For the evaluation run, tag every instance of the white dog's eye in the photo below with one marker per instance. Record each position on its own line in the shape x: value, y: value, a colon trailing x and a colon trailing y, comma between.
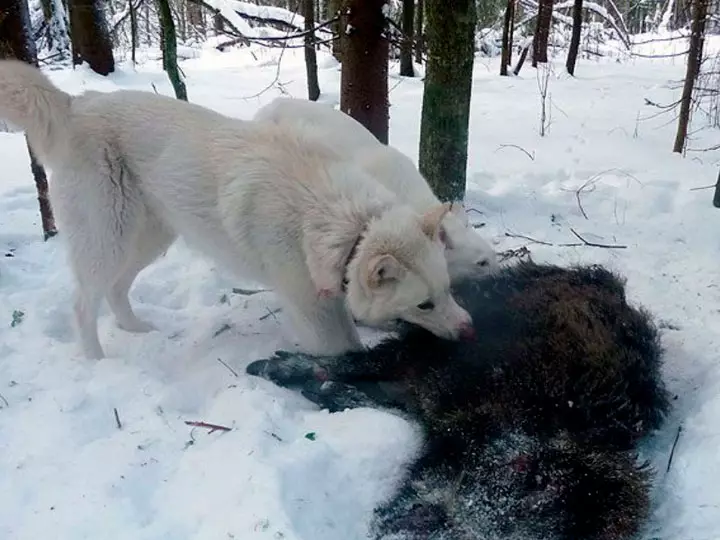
x: 483, y: 263
x: 427, y: 305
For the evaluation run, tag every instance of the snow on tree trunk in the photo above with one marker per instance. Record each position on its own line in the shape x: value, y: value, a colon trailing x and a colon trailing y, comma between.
x: 542, y: 32
x: 507, y: 37
x: 16, y: 42
x: 170, y: 49
x: 56, y: 33
x: 90, y: 39
x: 133, y: 30
x: 450, y: 34
x: 575, y: 39
x: 697, y: 40
x: 364, y: 78
x: 406, y: 48
x: 310, y: 56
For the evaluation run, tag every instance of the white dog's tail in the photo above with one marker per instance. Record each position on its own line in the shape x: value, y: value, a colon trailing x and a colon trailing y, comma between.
x: 29, y: 101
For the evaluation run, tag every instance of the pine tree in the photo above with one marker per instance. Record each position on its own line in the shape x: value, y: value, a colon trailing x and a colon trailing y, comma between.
x: 90, y: 39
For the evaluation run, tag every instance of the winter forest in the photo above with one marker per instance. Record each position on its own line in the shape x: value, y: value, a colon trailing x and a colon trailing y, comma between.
x: 580, y: 140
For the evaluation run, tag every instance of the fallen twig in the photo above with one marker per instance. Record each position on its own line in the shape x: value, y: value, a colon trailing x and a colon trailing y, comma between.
x: 231, y: 370
x: 117, y: 418
x: 224, y: 328
x: 672, y: 450
x: 271, y: 313
x: 528, y: 154
x: 5, y: 401
x: 247, y: 292
x: 212, y: 427
x: 595, y: 244
x: 702, y: 187
x: 533, y: 240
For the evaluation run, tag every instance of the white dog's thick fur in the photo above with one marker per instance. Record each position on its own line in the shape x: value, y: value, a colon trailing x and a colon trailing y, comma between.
x: 132, y: 170
x: 467, y: 253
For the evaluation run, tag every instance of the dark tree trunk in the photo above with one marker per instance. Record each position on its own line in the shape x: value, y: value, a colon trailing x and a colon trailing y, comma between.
x: 542, y: 32
x: 419, y: 24
x: 170, y: 49
x: 450, y: 33
x: 406, y: 49
x: 697, y: 41
x: 310, y: 55
x: 133, y: 30
x: 57, y: 24
x: 16, y: 42
x: 364, y: 79
x: 521, y: 60
x: 575, y: 40
x: 334, y: 9
x: 716, y: 196
x: 507, y: 37
x: 90, y: 39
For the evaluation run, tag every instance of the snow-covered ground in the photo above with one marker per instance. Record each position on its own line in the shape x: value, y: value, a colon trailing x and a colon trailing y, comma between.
x: 287, y: 471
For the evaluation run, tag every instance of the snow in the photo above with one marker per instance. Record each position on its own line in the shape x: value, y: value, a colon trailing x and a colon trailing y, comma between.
x: 68, y: 471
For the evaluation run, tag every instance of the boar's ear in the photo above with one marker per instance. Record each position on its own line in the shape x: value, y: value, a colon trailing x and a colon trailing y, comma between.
x: 430, y: 221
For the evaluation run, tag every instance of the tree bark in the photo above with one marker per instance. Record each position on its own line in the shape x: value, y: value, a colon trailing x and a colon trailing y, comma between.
x: 716, y: 196
x: 406, y: 49
x: 310, y: 55
x: 697, y: 41
x: 419, y: 25
x: 575, y: 39
x: 335, y: 9
x: 16, y: 42
x: 542, y: 32
x: 450, y: 34
x: 88, y: 33
x: 56, y: 23
x: 133, y: 30
x: 170, y: 49
x: 364, y: 78
x: 507, y: 37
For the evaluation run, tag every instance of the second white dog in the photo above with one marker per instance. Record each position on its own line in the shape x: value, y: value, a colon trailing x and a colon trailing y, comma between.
x: 467, y: 253
x: 132, y: 170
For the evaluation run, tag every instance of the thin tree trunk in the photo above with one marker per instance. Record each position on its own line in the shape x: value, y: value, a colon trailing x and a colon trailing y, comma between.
x: 310, y: 54
x: 697, y: 40
x: 16, y: 42
x: 450, y: 33
x: 419, y: 24
x: 507, y: 37
x: 575, y: 40
x: 364, y: 79
x: 90, y: 39
x: 133, y: 30
x: 542, y: 32
x: 521, y: 60
x: 716, y: 196
x: 406, y: 49
x: 170, y: 49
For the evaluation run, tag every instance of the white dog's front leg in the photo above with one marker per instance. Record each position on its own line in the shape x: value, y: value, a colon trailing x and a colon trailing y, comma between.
x: 325, y: 326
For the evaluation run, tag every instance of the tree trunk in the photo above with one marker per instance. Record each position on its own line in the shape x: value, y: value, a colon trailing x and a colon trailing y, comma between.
x: 542, y: 32
x: 406, y: 49
x: 88, y: 33
x: 521, y: 60
x: 16, y: 42
x: 697, y: 40
x: 419, y: 24
x: 716, y: 196
x: 575, y: 40
x: 507, y: 37
x: 133, y: 30
x: 334, y: 9
x: 450, y: 34
x: 310, y: 54
x: 170, y: 49
x: 58, y: 40
x: 364, y: 79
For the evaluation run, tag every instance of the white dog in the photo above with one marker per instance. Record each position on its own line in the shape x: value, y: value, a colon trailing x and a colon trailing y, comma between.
x: 467, y: 253
x: 132, y: 170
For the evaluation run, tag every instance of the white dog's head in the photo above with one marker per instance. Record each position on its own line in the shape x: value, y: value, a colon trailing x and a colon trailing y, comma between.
x: 400, y: 272
x: 468, y: 254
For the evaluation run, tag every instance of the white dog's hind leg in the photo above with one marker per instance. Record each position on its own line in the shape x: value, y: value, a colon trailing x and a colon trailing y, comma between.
x: 87, y: 304
x: 150, y: 241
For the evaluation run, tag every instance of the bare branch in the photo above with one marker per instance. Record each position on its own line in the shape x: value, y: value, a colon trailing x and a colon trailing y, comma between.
x: 595, y: 244
x: 212, y: 427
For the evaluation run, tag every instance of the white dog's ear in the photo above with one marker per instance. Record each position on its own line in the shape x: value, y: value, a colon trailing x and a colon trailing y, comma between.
x: 430, y: 221
x: 458, y: 210
x: 445, y: 239
x: 383, y: 269
x: 325, y: 257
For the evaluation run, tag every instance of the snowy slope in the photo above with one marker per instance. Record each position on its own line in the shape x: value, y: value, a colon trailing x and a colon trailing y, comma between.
x: 67, y: 471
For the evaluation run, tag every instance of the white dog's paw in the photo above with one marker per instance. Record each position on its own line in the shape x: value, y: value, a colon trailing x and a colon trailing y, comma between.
x: 136, y: 326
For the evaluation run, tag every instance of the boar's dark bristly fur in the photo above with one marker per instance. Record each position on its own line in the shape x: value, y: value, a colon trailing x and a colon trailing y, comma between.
x: 531, y: 430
